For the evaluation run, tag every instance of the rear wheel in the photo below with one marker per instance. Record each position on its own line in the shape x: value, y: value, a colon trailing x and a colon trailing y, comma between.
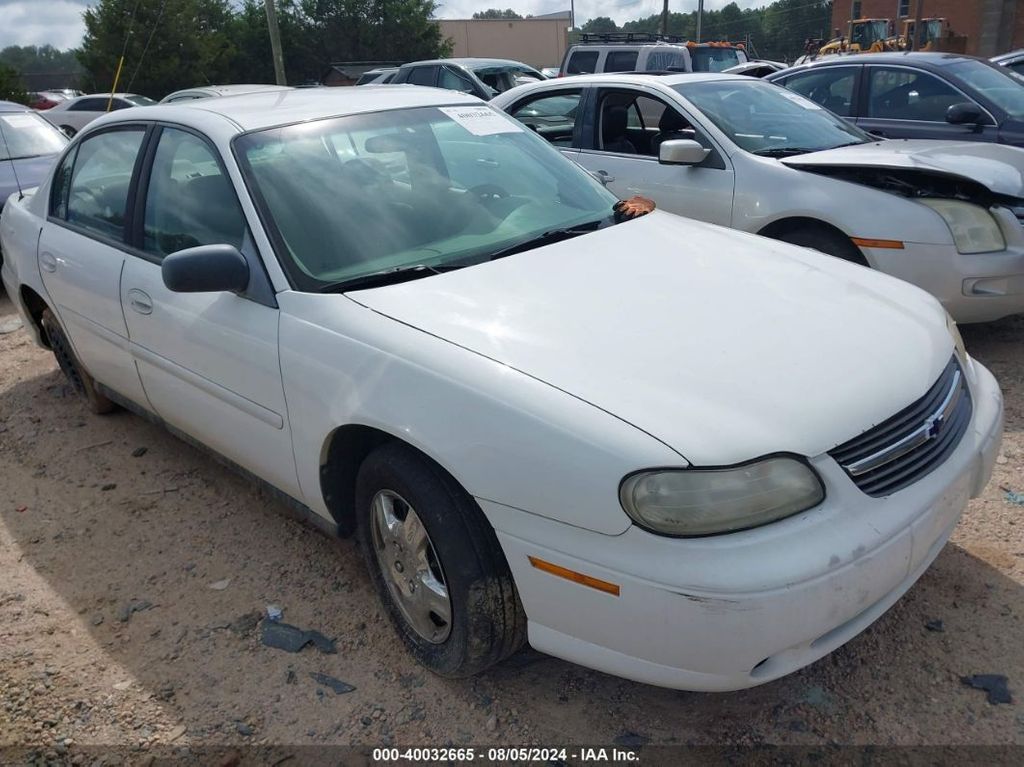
x: 80, y: 379
x: 436, y: 564
x: 825, y: 240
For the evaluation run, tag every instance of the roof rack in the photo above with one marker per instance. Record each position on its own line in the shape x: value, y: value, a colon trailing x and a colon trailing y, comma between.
x: 629, y: 37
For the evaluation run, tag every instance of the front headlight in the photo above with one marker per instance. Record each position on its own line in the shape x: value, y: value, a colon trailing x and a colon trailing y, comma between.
x: 974, y: 228
x: 958, y: 340
x: 688, y: 502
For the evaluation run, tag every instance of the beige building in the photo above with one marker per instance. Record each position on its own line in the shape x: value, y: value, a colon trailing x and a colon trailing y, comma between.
x: 540, y: 41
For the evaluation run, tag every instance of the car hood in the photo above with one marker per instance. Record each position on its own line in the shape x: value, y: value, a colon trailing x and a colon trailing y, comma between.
x: 30, y: 173
x: 997, y: 167
x: 725, y: 346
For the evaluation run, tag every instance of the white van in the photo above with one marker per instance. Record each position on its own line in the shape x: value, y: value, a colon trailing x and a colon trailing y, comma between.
x: 641, y: 52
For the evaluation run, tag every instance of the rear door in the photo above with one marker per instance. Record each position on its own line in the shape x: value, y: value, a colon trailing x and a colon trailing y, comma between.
x: 209, y: 361
x: 901, y: 102
x: 82, y: 251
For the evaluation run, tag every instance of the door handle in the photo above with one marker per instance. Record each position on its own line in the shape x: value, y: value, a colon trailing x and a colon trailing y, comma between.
x: 140, y: 302
x: 47, y: 262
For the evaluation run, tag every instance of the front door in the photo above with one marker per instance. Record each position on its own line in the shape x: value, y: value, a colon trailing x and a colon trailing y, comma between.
x: 209, y: 361
x: 82, y: 253
x: 622, y: 148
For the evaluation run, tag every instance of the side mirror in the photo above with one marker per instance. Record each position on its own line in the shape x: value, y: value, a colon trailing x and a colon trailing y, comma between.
x: 965, y: 113
x: 206, y: 269
x: 682, y: 152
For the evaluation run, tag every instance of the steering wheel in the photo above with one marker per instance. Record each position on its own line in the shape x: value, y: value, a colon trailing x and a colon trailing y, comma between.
x: 489, y: 192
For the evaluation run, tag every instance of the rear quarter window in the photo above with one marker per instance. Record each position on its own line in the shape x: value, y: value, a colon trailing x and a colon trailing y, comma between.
x: 582, y: 63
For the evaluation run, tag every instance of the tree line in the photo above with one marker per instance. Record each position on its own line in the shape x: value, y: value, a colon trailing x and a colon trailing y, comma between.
x: 172, y: 44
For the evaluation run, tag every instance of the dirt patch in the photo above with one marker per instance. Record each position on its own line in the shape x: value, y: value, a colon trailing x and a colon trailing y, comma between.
x: 134, y: 571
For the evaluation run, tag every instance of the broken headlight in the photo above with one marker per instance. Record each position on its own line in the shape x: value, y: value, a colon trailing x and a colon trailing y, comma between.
x: 974, y: 229
x: 688, y: 502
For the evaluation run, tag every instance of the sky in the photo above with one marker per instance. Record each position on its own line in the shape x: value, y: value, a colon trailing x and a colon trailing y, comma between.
x: 59, y: 22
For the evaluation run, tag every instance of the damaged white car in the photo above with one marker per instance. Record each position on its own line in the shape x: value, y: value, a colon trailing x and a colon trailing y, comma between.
x: 743, y: 153
x: 666, y: 450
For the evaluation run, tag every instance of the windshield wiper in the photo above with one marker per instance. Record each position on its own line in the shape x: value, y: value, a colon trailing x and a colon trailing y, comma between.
x: 388, y: 277
x: 783, y: 151
x: 548, y: 237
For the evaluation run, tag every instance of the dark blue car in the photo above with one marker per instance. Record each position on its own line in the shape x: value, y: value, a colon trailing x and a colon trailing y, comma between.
x: 28, y: 147
x: 916, y: 95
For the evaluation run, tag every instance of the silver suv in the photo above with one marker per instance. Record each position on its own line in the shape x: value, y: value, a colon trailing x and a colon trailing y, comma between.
x: 642, y: 52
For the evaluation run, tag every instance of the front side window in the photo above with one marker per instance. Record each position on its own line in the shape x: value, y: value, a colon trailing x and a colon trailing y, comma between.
x: 97, y: 198
x: 832, y: 87
x: 906, y: 94
x: 189, y: 201
x: 582, y: 63
x: 1003, y: 87
x: 767, y: 120
x: 442, y: 187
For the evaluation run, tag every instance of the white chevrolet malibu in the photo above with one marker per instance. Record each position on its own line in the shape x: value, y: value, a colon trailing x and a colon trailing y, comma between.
x: 663, y: 449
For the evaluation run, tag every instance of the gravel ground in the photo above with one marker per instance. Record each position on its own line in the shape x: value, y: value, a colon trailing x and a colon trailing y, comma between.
x: 133, y: 572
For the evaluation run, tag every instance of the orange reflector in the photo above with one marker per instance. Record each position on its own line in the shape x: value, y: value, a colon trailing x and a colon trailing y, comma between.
x: 863, y: 242
x: 575, y: 577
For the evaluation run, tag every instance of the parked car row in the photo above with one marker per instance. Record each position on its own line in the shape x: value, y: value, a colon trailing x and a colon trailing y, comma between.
x: 668, y: 450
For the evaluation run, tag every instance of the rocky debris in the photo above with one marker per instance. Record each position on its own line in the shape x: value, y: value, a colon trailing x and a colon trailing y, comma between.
x: 339, y: 687
x: 245, y: 623
x: 994, y: 684
x: 631, y: 739
x: 139, y: 452
x: 220, y: 585
x: 128, y: 610
x: 283, y: 636
x: 935, y: 625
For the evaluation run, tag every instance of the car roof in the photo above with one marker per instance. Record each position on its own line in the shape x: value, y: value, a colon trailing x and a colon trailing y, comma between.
x: 1009, y: 56
x: 471, y: 62
x: 924, y: 59
x: 11, y: 106
x: 267, y: 109
x: 646, y: 78
x: 231, y: 90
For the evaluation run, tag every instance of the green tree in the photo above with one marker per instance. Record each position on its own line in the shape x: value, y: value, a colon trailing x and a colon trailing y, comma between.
x: 10, y: 86
x: 600, y: 25
x: 494, y: 13
x: 170, y: 45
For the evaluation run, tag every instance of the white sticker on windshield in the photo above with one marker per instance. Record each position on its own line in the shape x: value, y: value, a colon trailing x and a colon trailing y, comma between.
x: 798, y: 99
x: 481, y: 121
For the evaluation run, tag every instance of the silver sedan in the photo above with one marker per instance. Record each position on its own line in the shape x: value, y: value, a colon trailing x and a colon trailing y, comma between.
x: 746, y: 154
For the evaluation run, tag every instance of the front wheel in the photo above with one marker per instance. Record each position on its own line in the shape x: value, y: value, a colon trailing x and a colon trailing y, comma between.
x: 80, y: 379
x: 825, y: 240
x: 436, y: 564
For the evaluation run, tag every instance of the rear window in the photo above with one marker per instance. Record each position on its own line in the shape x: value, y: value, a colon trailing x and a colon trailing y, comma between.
x: 716, y: 59
x: 582, y: 63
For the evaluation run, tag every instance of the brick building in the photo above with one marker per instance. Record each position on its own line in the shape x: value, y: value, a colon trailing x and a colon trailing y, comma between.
x: 991, y: 26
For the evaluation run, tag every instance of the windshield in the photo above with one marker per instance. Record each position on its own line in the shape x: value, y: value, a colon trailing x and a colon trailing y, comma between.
x: 438, y: 186
x: 1003, y: 87
x: 710, y: 59
x: 765, y: 119
x: 24, y: 134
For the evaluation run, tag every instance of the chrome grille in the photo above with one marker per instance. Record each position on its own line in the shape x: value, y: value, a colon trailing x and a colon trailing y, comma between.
x: 914, y: 442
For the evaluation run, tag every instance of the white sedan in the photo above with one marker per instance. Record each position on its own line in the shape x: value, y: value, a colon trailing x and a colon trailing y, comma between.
x: 681, y: 454
x: 74, y: 114
x: 743, y: 153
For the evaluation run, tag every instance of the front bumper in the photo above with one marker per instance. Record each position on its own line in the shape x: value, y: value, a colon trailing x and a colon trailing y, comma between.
x: 733, y: 611
x: 981, y: 287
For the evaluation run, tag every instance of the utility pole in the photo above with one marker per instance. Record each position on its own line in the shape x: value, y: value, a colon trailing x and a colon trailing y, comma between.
x: 917, y: 26
x: 664, y: 18
x: 275, y: 41
x: 700, y: 17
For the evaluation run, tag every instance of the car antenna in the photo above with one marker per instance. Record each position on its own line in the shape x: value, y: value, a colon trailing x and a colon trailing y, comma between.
x: 10, y: 159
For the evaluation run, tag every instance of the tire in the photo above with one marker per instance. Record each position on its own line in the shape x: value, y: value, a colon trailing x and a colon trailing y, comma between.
x: 827, y: 241
x: 80, y: 379
x: 485, y: 622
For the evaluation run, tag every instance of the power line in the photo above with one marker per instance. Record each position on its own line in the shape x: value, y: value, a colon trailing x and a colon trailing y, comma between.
x: 152, y: 32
